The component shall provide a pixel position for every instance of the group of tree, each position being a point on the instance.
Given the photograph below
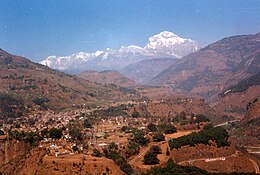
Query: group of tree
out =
(217, 134)
(164, 128)
(11, 107)
(132, 149)
(150, 158)
(28, 137)
(55, 133)
(201, 118)
(158, 137)
(126, 129)
(111, 112)
(173, 168)
(75, 130)
(113, 152)
(138, 137)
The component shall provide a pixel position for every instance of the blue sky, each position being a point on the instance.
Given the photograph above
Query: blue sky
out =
(39, 28)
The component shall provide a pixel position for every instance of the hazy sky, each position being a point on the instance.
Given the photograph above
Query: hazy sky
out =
(39, 28)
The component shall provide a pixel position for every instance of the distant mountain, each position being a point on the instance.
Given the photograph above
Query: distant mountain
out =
(214, 68)
(163, 45)
(26, 86)
(107, 77)
(169, 44)
(145, 70)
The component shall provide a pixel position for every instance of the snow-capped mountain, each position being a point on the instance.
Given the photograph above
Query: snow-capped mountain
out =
(167, 43)
(164, 44)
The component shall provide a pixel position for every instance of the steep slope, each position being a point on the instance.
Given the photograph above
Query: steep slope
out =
(163, 45)
(247, 130)
(145, 70)
(215, 67)
(24, 84)
(107, 77)
(237, 97)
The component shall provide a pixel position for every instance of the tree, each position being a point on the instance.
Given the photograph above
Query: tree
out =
(126, 129)
(208, 126)
(201, 118)
(75, 148)
(55, 133)
(158, 137)
(183, 115)
(96, 153)
(87, 123)
(139, 138)
(136, 114)
(167, 128)
(151, 158)
(75, 134)
(151, 127)
(44, 132)
(167, 152)
(156, 149)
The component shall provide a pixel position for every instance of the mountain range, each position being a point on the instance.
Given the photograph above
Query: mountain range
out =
(209, 72)
(27, 86)
(215, 68)
(163, 45)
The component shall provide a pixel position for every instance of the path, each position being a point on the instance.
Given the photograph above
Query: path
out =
(226, 123)
(138, 156)
(255, 165)
(208, 159)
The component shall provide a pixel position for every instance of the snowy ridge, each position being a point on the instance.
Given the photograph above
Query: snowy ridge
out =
(164, 44)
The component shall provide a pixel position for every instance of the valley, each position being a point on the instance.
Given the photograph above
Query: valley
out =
(191, 111)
